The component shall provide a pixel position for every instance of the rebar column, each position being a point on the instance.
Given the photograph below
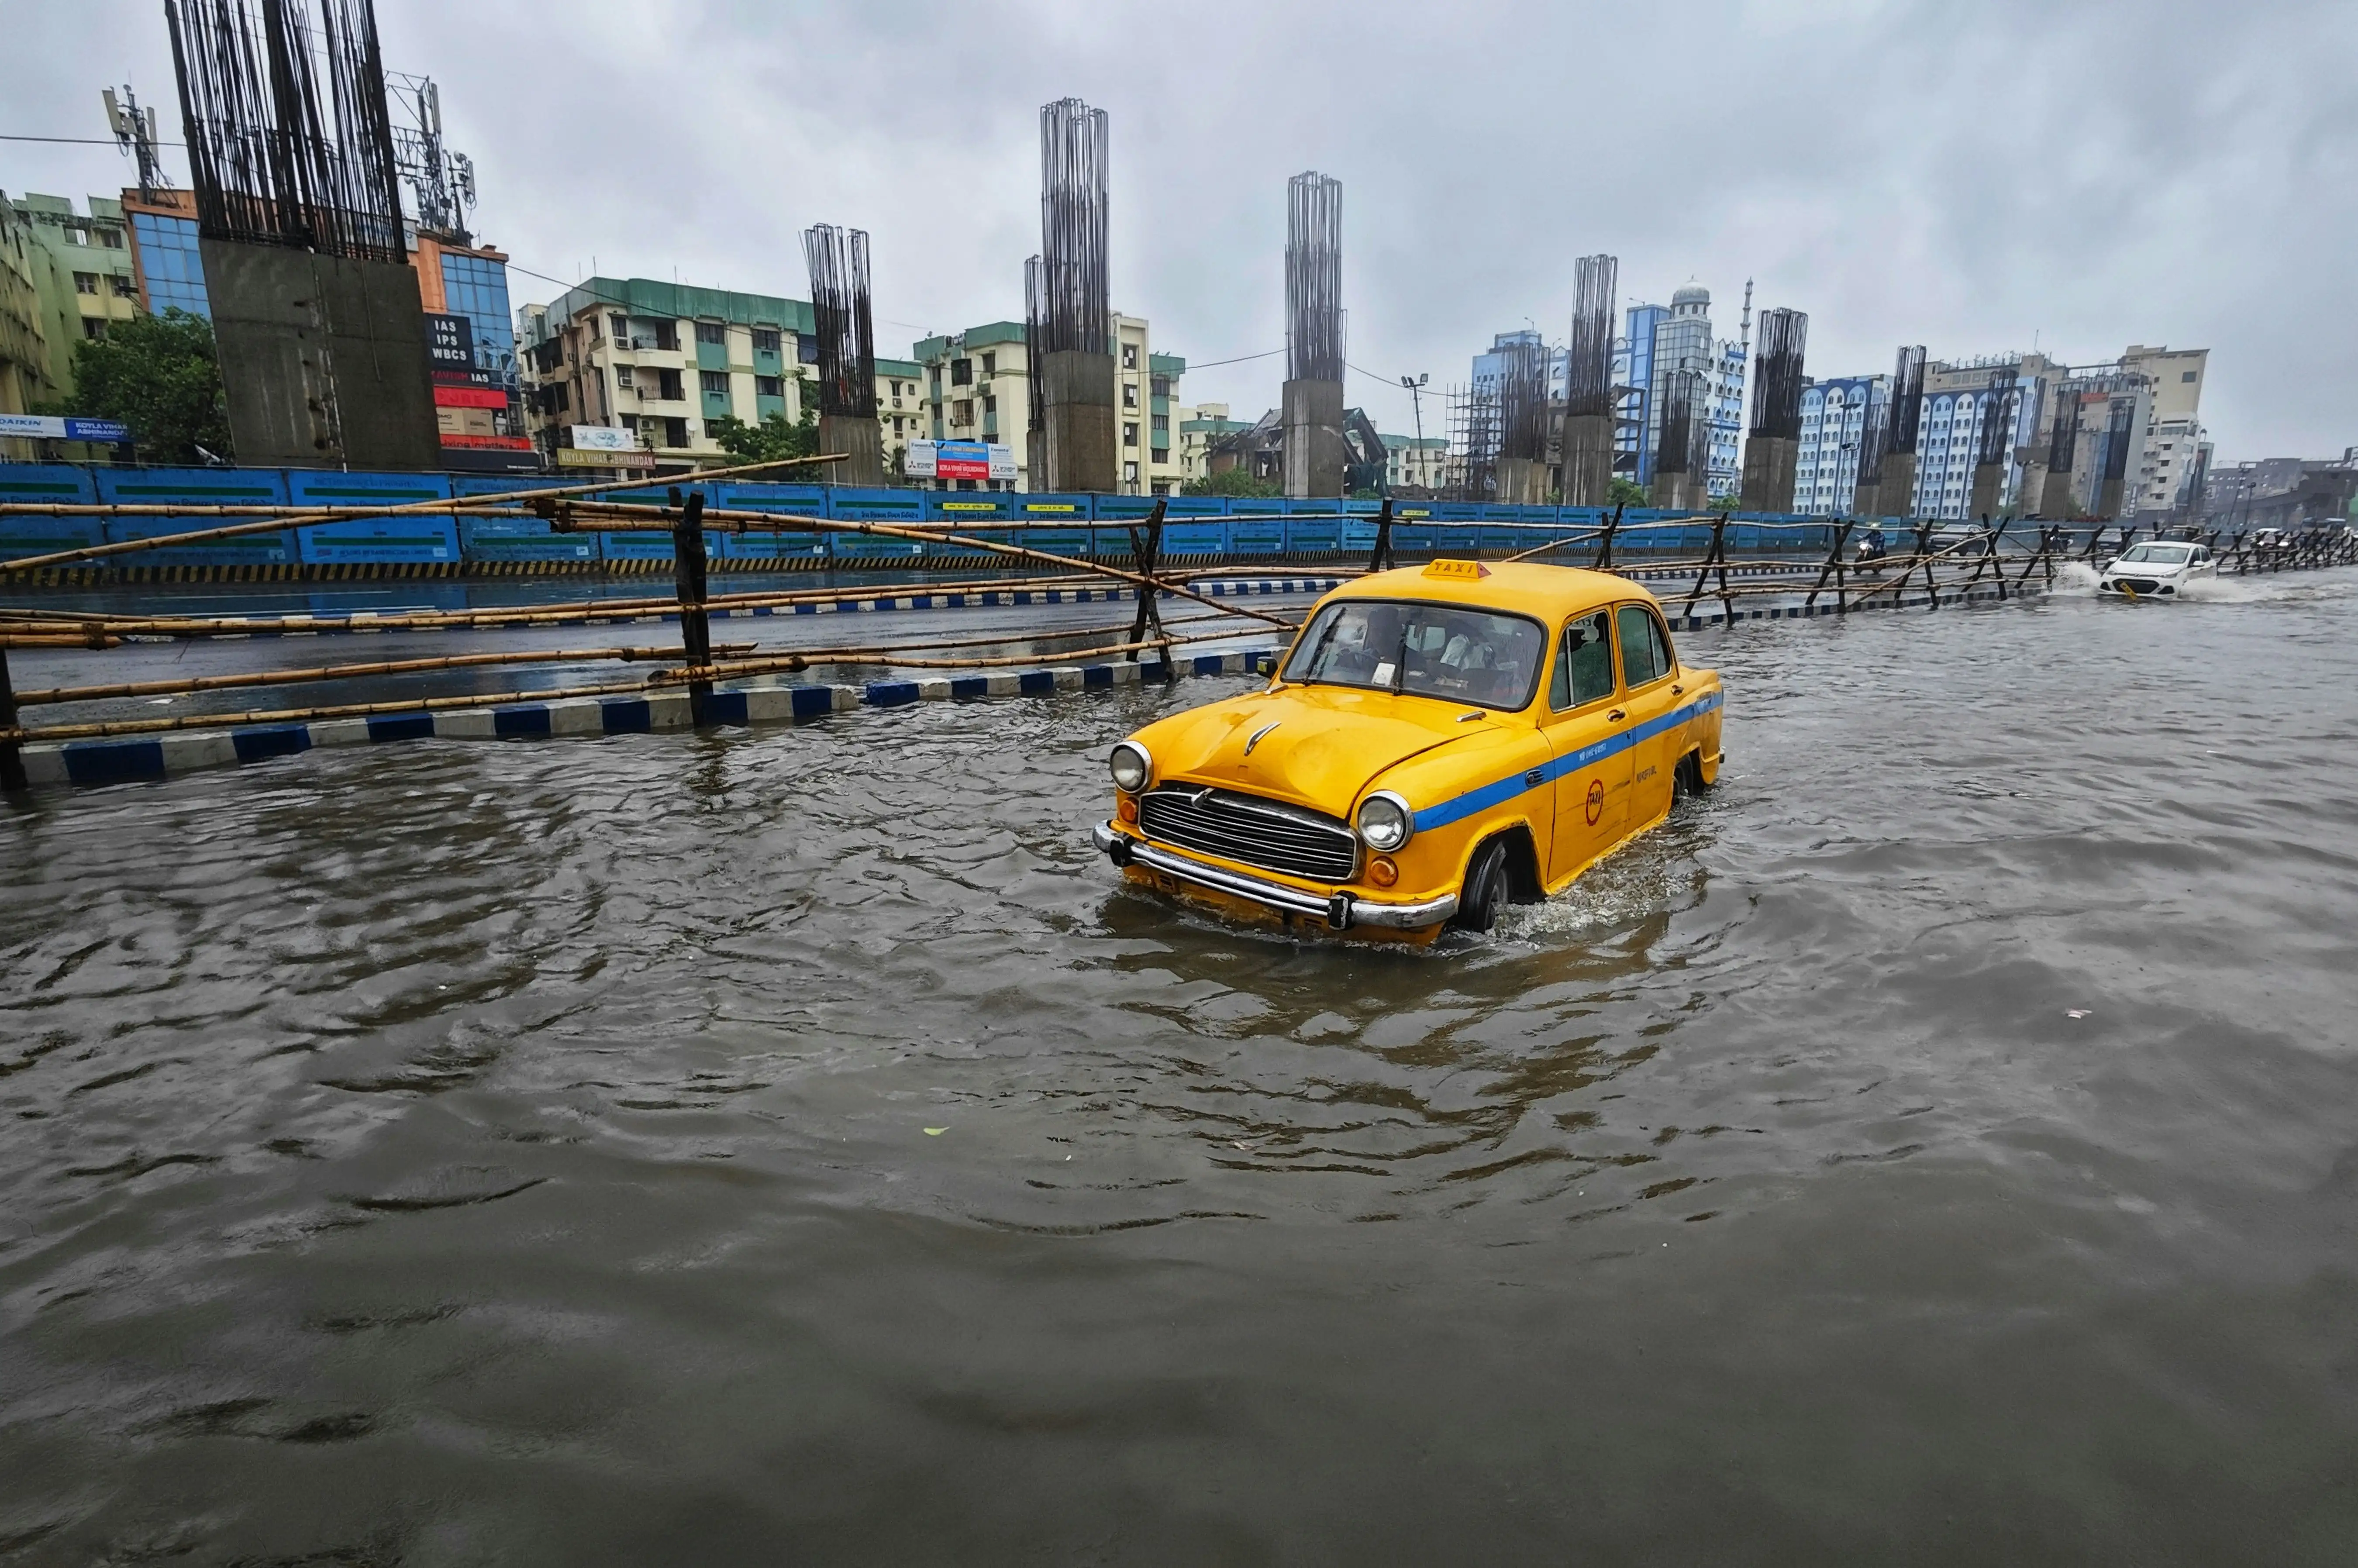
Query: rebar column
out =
(1588, 382)
(840, 312)
(1075, 360)
(1312, 400)
(1773, 451)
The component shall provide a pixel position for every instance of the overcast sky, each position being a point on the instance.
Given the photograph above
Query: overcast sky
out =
(1975, 177)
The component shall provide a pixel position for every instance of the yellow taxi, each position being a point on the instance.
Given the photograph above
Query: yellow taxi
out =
(1438, 740)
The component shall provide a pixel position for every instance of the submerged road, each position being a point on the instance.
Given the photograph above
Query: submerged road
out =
(1932, 1145)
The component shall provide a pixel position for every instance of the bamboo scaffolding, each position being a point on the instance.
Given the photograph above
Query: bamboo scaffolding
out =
(881, 652)
(658, 681)
(567, 519)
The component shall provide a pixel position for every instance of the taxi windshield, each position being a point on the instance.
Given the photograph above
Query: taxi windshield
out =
(2157, 555)
(1444, 650)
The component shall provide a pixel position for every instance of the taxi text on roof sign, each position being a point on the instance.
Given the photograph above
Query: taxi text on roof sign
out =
(1463, 571)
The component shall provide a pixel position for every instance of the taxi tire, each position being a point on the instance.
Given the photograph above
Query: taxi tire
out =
(1485, 889)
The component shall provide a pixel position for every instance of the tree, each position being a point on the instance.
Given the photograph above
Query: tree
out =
(775, 437)
(1727, 503)
(160, 375)
(1233, 481)
(1624, 492)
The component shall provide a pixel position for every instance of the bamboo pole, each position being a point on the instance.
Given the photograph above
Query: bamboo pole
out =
(189, 685)
(565, 521)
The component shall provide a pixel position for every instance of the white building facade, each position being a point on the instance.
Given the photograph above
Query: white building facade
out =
(1835, 416)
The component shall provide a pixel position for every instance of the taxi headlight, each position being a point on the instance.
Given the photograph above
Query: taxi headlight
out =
(1132, 767)
(1385, 822)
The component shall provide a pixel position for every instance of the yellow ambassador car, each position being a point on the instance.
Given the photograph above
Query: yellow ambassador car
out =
(1437, 741)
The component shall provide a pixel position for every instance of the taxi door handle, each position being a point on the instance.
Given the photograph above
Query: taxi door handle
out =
(1616, 717)
(1678, 691)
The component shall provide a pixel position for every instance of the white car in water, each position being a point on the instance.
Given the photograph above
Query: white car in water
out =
(2158, 569)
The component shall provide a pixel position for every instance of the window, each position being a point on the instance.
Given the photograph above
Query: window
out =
(675, 432)
(991, 405)
(937, 373)
(990, 364)
(124, 288)
(1130, 433)
(667, 337)
(1163, 422)
(711, 332)
(2186, 375)
(1130, 394)
(1584, 670)
(85, 283)
(769, 387)
(715, 382)
(1130, 473)
(1645, 651)
(766, 339)
(619, 325)
(667, 387)
(113, 240)
(622, 378)
(961, 372)
(1427, 649)
(1130, 356)
(962, 411)
(93, 327)
(1161, 386)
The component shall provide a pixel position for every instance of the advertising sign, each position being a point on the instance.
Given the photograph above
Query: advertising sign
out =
(488, 443)
(604, 438)
(450, 341)
(574, 458)
(49, 426)
(959, 460)
(470, 397)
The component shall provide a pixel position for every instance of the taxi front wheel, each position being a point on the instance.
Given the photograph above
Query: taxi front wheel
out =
(1486, 884)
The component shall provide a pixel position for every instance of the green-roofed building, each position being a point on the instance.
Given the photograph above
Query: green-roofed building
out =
(977, 387)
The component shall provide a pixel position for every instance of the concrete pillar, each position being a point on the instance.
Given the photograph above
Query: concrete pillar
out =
(2055, 495)
(1866, 498)
(323, 358)
(1675, 490)
(1896, 497)
(2108, 501)
(861, 441)
(1522, 482)
(1315, 454)
(1587, 459)
(2034, 489)
(1769, 463)
(1078, 435)
(1989, 487)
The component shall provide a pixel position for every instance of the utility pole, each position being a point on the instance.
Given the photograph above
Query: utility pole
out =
(1416, 386)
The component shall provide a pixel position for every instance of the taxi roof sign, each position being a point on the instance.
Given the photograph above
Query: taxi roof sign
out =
(1461, 571)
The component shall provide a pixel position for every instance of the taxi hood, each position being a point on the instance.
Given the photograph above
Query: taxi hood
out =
(1318, 746)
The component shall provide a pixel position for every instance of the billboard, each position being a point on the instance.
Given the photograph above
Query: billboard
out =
(574, 458)
(449, 342)
(49, 426)
(604, 438)
(959, 460)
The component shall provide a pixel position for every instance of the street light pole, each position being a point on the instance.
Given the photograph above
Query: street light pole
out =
(1415, 385)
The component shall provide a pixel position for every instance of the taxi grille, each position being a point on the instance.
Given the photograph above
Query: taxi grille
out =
(2140, 584)
(1251, 832)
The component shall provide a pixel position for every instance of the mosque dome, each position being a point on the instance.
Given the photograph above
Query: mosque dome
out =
(1690, 293)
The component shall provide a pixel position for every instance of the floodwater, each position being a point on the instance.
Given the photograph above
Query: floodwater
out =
(1938, 1144)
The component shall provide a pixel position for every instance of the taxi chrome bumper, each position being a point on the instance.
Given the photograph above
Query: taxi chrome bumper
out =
(1341, 911)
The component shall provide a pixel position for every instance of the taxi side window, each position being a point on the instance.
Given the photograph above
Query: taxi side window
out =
(1584, 669)
(1645, 652)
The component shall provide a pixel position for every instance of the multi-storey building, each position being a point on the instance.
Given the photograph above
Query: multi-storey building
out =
(1201, 428)
(83, 273)
(1417, 462)
(164, 255)
(1835, 414)
(978, 388)
(1658, 339)
(662, 360)
(2163, 470)
(27, 366)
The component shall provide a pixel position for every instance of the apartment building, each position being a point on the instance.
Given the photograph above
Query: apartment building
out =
(1416, 462)
(978, 388)
(83, 273)
(662, 360)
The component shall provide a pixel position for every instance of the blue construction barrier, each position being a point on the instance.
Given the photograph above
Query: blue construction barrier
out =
(410, 539)
(787, 548)
(1195, 526)
(500, 540)
(53, 484)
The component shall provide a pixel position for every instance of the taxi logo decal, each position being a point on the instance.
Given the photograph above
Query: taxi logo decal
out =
(1595, 800)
